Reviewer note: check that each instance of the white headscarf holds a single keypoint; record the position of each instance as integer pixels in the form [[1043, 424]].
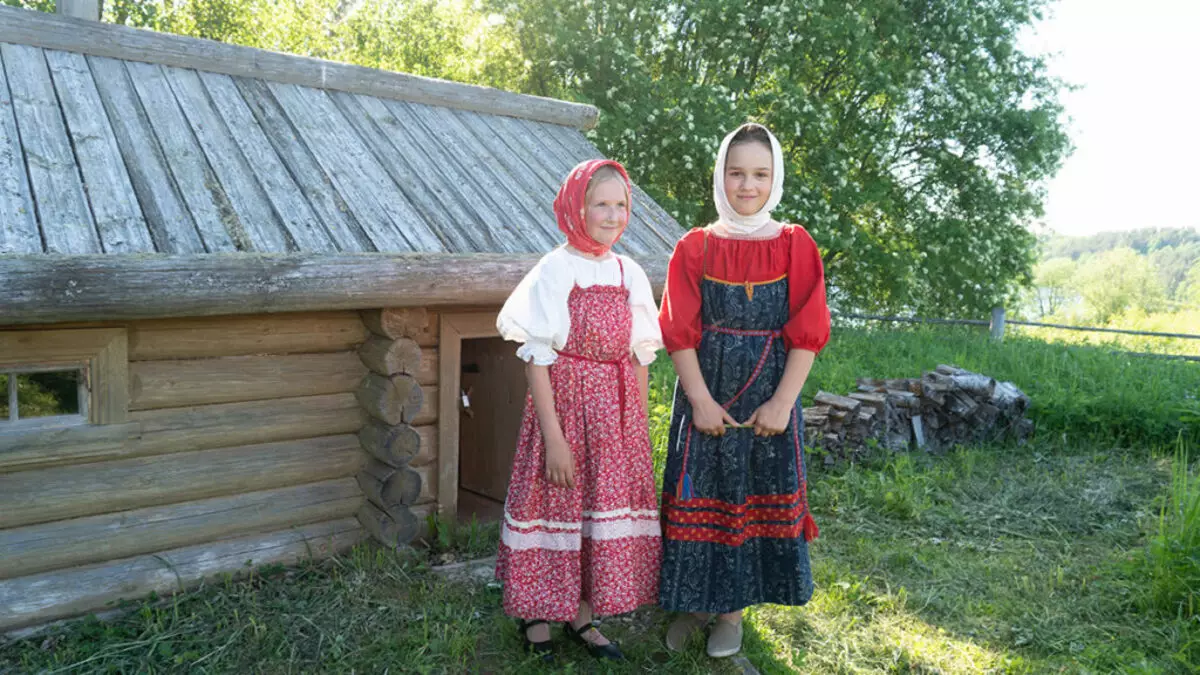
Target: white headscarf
[[732, 224]]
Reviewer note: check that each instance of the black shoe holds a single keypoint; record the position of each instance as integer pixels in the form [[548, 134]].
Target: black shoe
[[544, 649], [609, 651]]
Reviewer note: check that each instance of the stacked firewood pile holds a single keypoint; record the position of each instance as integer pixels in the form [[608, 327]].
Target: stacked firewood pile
[[942, 408]]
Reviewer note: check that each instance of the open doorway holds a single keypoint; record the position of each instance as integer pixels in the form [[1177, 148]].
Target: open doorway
[[493, 387]]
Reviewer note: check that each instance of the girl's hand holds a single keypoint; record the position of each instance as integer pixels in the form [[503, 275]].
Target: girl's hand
[[710, 418], [560, 466], [771, 418]]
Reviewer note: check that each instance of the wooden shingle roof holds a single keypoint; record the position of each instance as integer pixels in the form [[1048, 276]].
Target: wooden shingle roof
[[120, 141]]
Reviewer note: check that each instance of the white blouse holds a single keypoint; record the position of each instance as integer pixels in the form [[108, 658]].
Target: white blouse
[[536, 313]]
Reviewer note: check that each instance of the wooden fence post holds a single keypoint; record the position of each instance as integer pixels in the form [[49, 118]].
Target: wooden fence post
[[997, 327], [80, 9]]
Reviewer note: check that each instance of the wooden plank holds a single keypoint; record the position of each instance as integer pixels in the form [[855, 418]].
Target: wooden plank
[[62, 205], [44, 597], [104, 39], [524, 186], [427, 374], [448, 391], [171, 384], [110, 381], [167, 216], [429, 483], [384, 214], [43, 289], [251, 211], [81, 541], [300, 163], [469, 208], [173, 430], [18, 222], [215, 219], [45, 495], [80, 9], [285, 197], [301, 333], [421, 182], [115, 207], [512, 220], [75, 345]]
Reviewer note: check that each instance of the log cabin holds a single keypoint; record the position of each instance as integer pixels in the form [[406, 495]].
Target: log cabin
[[274, 281]]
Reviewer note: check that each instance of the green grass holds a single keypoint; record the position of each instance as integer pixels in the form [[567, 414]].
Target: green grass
[[1068, 554]]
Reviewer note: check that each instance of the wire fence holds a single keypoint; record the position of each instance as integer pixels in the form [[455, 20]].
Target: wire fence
[[996, 327]]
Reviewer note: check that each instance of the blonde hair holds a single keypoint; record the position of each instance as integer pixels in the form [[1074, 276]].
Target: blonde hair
[[605, 173]]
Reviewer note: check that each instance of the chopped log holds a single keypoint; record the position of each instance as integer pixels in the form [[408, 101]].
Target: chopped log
[[876, 401], [45, 495], [392, 528], [979, 386], [299, 333], [840, 402], [393, 400], [392, 445], [80, 541], [388, 357], [39, 598], [403, 322], [388, 487]]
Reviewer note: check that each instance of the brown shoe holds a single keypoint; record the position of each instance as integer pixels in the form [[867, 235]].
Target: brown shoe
[[725, 639], [681, 629]]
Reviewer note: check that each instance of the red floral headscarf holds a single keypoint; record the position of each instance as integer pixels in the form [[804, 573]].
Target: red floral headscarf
[[570, 205]]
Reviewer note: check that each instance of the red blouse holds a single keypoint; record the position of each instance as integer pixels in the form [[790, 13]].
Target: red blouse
[[793, 253]]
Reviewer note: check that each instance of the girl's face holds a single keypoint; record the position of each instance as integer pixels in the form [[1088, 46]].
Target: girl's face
[[748, 175], [606, 211]]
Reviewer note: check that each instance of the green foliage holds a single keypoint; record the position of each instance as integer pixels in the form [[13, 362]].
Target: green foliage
[[916, 135], [1053, 282], [1116, 280], [1172, 556], [1144, 241], [1189, 288]]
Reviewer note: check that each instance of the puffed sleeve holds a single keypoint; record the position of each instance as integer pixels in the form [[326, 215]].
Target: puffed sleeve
[[808, 325], [646, 338], [679, 317], [536, 313]]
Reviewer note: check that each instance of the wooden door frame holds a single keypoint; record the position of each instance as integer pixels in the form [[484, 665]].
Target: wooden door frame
[[453, 329]]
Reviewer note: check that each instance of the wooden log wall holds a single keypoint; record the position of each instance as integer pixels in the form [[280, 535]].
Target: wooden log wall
[[242, 443], [399, 439]]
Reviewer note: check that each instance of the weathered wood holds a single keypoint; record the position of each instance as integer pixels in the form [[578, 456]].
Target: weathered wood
[[839, 402], [392, 528], [295, 214], [118, 217], [79, 9], [428, 449], [18, 225], [170, 384], [42, 289], [392, 445], [62, 205], [251, 219], [387, 486], [415, 323], [379, 207], [429, 483], [393, 400], [405, 162], [389, 357], [303, 333], [59, 594], [101, 350], [173, 430], [214, 217], [66, 543], [303, 167], [167, 216], [44, 30], [44, 495]]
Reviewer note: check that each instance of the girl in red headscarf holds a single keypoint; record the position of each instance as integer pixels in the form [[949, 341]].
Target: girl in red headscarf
[[581, 534]]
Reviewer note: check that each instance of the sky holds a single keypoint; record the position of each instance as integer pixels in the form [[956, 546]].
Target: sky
[[1135, 119]]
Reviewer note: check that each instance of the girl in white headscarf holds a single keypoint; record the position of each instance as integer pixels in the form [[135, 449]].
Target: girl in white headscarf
[[743, 316]]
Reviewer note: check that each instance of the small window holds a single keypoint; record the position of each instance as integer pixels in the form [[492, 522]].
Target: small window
[[50, 394]]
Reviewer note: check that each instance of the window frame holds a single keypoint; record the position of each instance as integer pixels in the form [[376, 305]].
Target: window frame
[[102, 354]]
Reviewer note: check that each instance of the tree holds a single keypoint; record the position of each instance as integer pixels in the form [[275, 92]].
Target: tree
[[1053, 283], [1118, 280], [1189, 289], [917, 136]]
